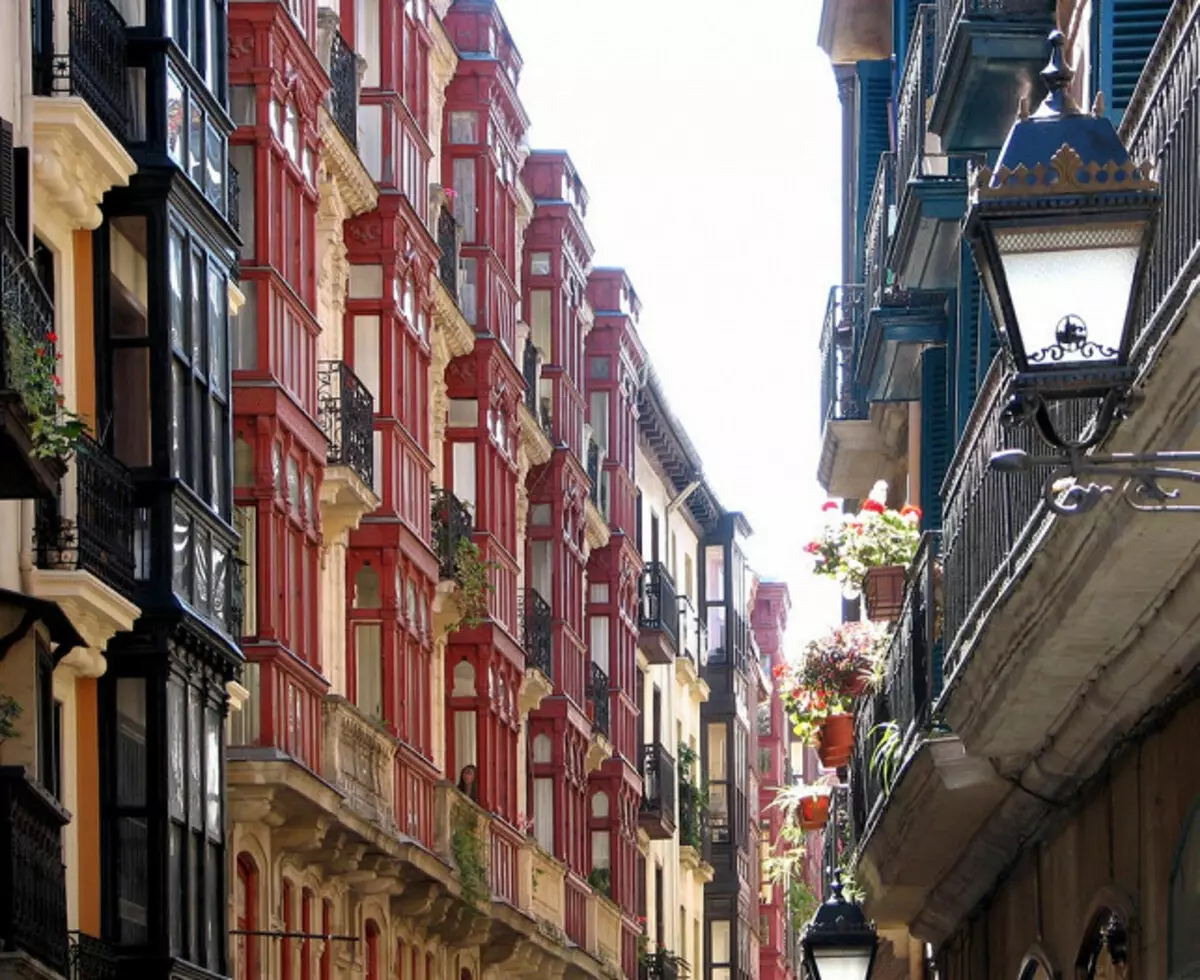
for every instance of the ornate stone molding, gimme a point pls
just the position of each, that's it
(95, 610)
(534, 441)
(598, 531)
(600, 750)
(344, 166)
(460, 338)
(76, 160)
(535, 687)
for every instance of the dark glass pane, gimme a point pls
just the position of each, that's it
(192, 900)
(131, 406)
(176, 885)
(220, 583)
(133, 879)
(214, 167)
(196, 142)
(182, 560)
(212, 906)
(212, 773)
(181, 381)
(218, 329)
(196, 442)
(131, 741)
(197, 287)
(175, 119)
(202, 557)
(175, 280)
(195, 768)
(218, 456)
(176, 742)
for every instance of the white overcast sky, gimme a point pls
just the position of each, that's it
(706, 133)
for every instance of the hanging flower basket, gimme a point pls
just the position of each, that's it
(836, 740)
(883, 592)
(813, 813)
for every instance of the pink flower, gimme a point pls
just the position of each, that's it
(829, 505)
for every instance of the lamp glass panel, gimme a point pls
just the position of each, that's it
(842, 963)
(1070, 290)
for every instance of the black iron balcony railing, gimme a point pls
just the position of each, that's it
(452, 524)
(914, 668)
(658, 782)
(343, 96)
(598, 697)
(539, 635)
(449, 239)
(91, 958)
(531, 371)
(237, 598)
(838, 840)
(33, 900)
(94, 67)
(866, 776)
(99, 537)
(660, 965)
(659, 607)
(841, 339)
(693, 818)
(233, 201)
(26, 316)
(877, 231)
(346, 412)
(593, 470)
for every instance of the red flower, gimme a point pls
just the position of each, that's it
(777, 671)
(52, 337)
(56, 379)
(829, 505)
(872, 506)
(812, 547)
(908, 509)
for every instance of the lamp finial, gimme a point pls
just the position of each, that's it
(1058, 75)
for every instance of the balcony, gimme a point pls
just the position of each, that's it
(989, 55)
(663, 965)
(92, 958)
(33, 901)
(658, 615)
(657, 814)
(343, 96)
(359, 759)
(598, 695)
(531, 371)
(899, 323)
(452, 524)
(449, 239)
(693, 820)
(539, 634)
(26, 322)
(931, 186)
(93, 68)
(346, 413)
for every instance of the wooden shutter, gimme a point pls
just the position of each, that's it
(966, 346)
(8, 185)
(1127, 32)
(937, 435)
(874, 139)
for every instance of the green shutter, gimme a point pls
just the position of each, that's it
(1127, 32)
(874, 91)
(937, 438)
(966, 348)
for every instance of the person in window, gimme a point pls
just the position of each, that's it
(467, 784)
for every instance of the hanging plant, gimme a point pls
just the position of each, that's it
(467, 850)
(33, 371)
(10, 711)
(471, 573)
(601, 881)
(886, 756)
(849, 545)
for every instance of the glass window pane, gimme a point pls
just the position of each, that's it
(195, 769)
(175, 110)
(198, 309)
(196, 142)
(721, 941)
(128, 277)
(464, 196)
(131, 412)
(180, 386)
(220, 588)
(212, 775)
(133, 879)
(368, 639)
(131, 741)
(176, 732)
(175, 276)
(182, 560)
(714, 573)
(200, 569)
(218, 456)
(212, 882)
(218, 329)
(717, 751)
(539, 264)
(175, 884)
(464, 127)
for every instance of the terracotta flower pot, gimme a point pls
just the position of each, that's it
(836, 741)
(883, 592)
(814, 812)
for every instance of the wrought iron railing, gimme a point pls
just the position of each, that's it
(693, 818)
(343, 96)
(660, 965)
(91, 958)
(97, 534)
(598, 697)
(233, 200)
(866, 777)
(539, 633)
(658, 782)
(841, 338)
(914, 669)
(451, 525)
(659, 609)
(877, 230)
(33, 899)
(237, 598)
(346, 412)
(94, 67)
(950, 12)
(838, 839)
(26, 321)
(593, 470)
(531, 371)
(449, 238)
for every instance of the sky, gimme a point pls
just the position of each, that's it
(706, 135)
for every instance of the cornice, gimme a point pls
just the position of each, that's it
(76, 160)
(533, 439)
(342, 163)
(598, 531)
(447, 317)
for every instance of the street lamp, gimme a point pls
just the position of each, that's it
(839, 943)
(1060, 230)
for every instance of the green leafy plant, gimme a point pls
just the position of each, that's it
(10, 711)
(601, 880)
(33, 370)
(801, 901)
(886, 756)
(850, 545)
(467, 849)
(471, 573)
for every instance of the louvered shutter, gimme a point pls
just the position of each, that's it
(966, 348)
(1128, 30)
(8, 192)
(937, 437)
(874, 91)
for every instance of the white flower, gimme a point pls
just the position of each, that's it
(879, 492)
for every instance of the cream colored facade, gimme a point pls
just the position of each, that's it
(682, 691)
(73, 159)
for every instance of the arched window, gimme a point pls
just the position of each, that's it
(372, 951)
(247, 917)
(306, 926)
(1183, 959)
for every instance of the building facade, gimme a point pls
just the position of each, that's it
(362, 633)
(1038, 686)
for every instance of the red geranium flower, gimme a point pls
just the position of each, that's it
(872, 506)
(52, 337)
(909, 509)
(829, 505)
(777, 671)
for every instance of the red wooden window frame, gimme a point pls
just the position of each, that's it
(247, 883)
